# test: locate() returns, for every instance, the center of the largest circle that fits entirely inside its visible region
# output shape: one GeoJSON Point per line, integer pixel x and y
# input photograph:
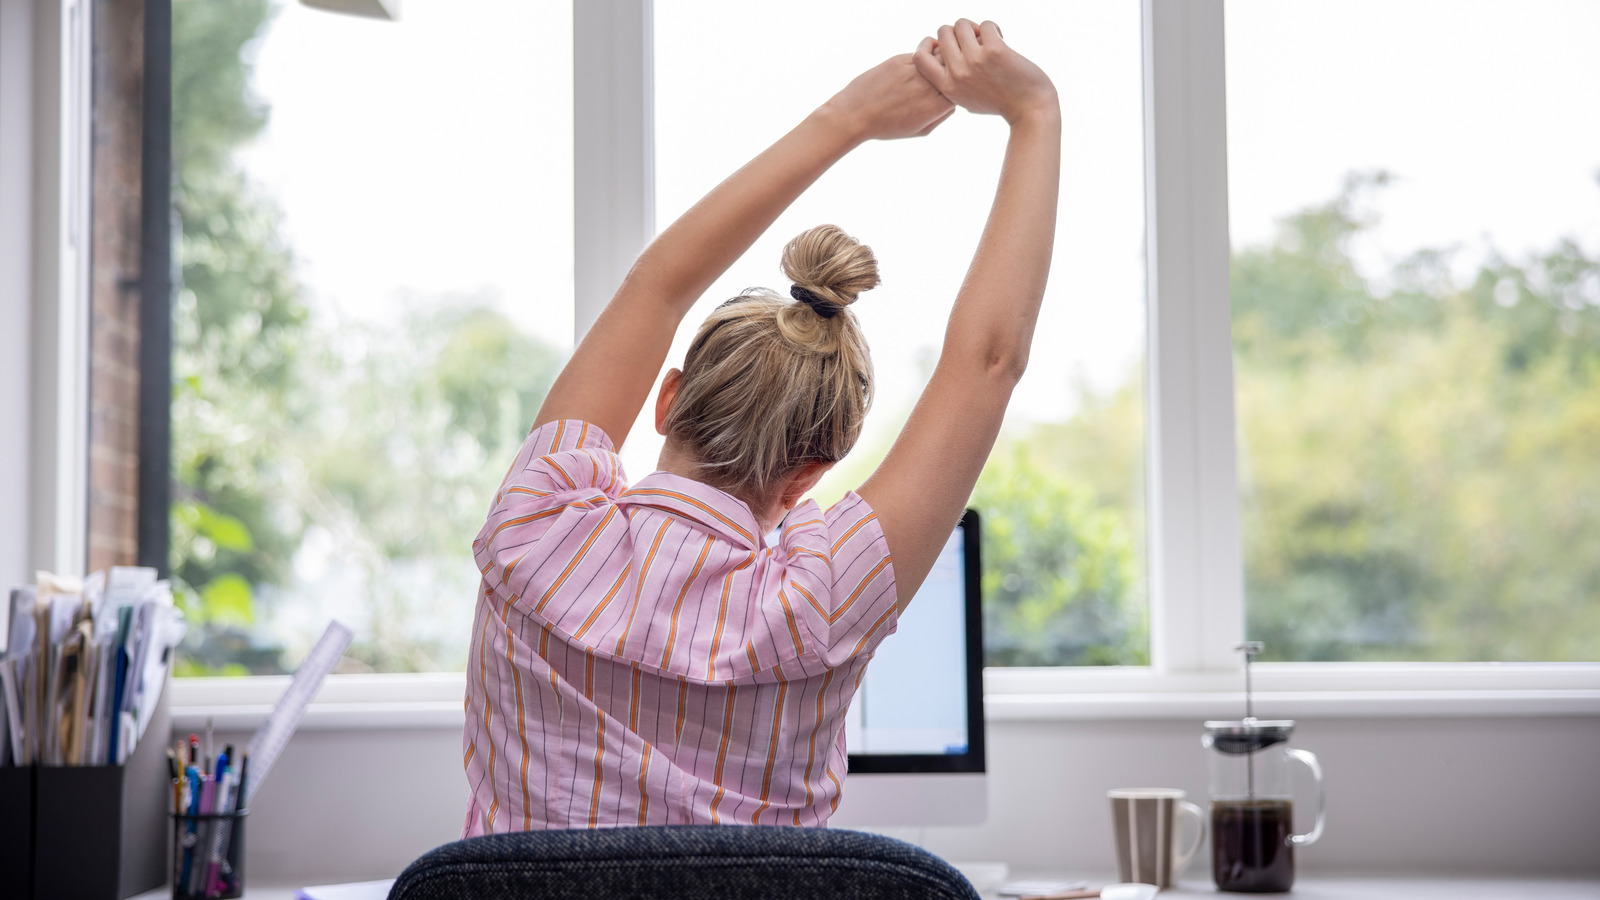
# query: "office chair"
{"type": "Point", "coordinates": [693, 862]}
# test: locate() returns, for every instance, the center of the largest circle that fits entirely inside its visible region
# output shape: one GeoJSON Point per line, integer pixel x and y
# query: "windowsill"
{"type": "Point", "coordinates": [1297, 690]}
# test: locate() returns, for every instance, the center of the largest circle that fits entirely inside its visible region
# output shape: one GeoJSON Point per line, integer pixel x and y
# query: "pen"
{"type": "Point", "coordinates": [221, 804]}
{"type": "Point", "coordinates": [177, 784]}
{"type": "Point", "coordinates": [244, 781]}
{"type": "Point", "coordinates": [200, 867]}
{"type": "Point", "coordinates": [225, 850]}
{"type": "Point", "coordinates": [194, 811]}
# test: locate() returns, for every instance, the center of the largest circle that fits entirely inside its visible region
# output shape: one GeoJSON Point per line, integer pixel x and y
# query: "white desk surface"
{"type": "Point", "coordinates": [1400, 888]}
{"type": "Point", "coordinates": [1306, 888]}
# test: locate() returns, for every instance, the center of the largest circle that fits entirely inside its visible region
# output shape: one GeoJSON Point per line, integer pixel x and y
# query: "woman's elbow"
{"type": "Point", "coordinates": [1005, 363]}
{"type": "Point", "coordinates": [978, 350]}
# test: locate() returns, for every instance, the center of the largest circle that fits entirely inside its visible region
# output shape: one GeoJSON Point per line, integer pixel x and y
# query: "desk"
{"type": "Point", "coordinates": [1399, 888]}
{"type": "Point", "coordinates": [1309, 888]}
{"type": "Point", "coordinates": [267, 890]}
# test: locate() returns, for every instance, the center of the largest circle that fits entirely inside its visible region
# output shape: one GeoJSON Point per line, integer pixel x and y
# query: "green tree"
{"type": "Point", "coordinates": [239, 325]}
{"type": "Point", "coordinates": [1417, 457]}
{"type": "Point", "coordinates": [316, 460]}
{"type": "Point", "coordinates": [400, 458]}
{"type": "Point", "coordinates": [1060, 585]}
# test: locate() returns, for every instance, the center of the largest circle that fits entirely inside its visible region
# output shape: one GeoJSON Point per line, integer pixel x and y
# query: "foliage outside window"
{"type": "Point", "coordinates": [330, 460]}
{"type": "Point", "coordinates": [1416, 423]}
{"type": "Point", "coordinates": [1417, 355]}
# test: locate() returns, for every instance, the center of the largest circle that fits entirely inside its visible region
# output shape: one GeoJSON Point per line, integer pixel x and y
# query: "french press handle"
{"type": "Point", "coordinates": [1310, 760]}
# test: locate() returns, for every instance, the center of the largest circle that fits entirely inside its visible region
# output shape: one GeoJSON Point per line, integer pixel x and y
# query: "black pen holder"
{"type": "Point", "coordinates": [16, 830]}
{"type": "Point", "coordinates": [208, 855]}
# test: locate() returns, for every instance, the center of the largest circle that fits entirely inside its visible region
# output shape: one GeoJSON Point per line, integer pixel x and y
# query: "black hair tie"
{"type": "Point", "coordinates": [818, 305]}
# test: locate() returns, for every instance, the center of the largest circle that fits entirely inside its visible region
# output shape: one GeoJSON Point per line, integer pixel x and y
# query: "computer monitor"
{"type": "Point", "coordinates": [915, 728]}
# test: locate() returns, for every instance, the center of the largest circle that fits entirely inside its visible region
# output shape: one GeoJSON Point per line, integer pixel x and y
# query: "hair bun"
{"type": "Point", "coordinates": [831, 266]}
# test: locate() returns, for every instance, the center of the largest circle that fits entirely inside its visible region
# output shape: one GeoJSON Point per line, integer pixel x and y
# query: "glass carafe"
{"type": "Point", "coordinates": [1252, 808]}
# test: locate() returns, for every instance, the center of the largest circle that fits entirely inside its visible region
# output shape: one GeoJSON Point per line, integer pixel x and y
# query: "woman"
{"type": "Point", "coordinates": [682, 650]}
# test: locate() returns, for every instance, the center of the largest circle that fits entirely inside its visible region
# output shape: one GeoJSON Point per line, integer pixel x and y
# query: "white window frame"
{"type": "Point", "coordinates": [45, 146]}
{"type": "Point", "coordinates": [1196, 574]}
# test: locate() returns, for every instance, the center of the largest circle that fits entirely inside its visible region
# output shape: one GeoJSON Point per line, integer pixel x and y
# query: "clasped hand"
{"type": "Point", "coordinates": [974, 68]}
{"type": "Point", "coordinates": [891, 100]}
{"type": "Point", "coordinates": [967, 65]}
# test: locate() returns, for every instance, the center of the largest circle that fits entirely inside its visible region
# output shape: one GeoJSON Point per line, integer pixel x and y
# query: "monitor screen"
{"type": "Point", "coordinates": [919, 708]}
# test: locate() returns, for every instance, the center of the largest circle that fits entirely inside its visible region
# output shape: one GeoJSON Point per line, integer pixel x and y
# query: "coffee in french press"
{"type": "Point", "coordinates": [1252, 811]}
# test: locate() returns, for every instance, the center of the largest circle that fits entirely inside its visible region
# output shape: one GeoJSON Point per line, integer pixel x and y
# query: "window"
{"type": "Point", "coordinates": [1415, 210]}
{"type": "Point", "coordinates": [1063, 496]}
{"type": "Point", "coordinates": [1121, 384]}
{"type": "Point", "coordinates": [376, 262]}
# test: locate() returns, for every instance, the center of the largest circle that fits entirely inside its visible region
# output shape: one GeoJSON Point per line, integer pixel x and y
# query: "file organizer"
{"type": "Point", "coordinates": [16, 831]}
{"type": "Point", "coordinates": [100, 832]}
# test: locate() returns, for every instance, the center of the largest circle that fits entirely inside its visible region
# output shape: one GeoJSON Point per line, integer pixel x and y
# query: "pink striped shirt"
{"type": "Point", "coordinates": [644, 655]}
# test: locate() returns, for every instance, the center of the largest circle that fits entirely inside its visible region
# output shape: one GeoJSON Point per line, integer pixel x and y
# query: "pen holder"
{"type": "Point", "coordinates": [208, 855]}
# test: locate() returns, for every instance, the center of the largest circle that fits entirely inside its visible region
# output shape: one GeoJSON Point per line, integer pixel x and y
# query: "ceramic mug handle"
{"type": "Point", "coordinates": [1309, 759]}
{"type": "Point", "coordinates": [1186, 809]}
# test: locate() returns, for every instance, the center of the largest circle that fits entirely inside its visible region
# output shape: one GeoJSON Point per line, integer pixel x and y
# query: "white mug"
{"type": "Point", "coordinates": [1143, 823]}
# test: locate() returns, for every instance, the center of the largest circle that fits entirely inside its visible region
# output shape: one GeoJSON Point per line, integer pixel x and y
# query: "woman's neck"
{"type": "Point", "coordinates": [678, 462]}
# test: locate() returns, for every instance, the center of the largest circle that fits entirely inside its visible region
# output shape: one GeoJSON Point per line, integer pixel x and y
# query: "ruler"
{"type": "Point", "coordinates": [273, 735]}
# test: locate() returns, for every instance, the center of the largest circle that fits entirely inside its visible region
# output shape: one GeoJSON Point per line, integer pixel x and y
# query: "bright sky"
{"type": "Point", "coordinates": [1488, 111]}
{"type": "Point", "coordinates": [432, 156]}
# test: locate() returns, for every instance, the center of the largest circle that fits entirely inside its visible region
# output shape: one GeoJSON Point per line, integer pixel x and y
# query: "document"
{"type": "Point", "coordinates": [83, 664]}
{"type": "Point", "coordinates": [11, 695]}
{"type": "Point", "coordinates": [164, 629]}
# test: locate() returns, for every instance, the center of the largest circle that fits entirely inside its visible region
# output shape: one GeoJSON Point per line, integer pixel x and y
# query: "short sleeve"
{"type": "Point", "coordinates": [565, 455]}
{"type": "Point", "coordinates": [565, 469]}
{"type": "Point", "coordinates": [842, 576]}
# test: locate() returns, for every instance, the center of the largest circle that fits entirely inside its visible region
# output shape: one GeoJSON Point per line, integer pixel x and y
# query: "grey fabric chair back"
{"type": "Point", "coordinates": [691, 862]}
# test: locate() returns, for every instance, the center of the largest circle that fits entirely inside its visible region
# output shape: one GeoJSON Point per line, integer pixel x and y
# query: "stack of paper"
{"type": "Point", "coordinates": [82, 665]}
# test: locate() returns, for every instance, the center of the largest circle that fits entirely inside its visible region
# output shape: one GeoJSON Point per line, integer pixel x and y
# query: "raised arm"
{"type": "Point", "coordinates": [608, 378]}
{"type": "Point", "coordinates": [924, 483]}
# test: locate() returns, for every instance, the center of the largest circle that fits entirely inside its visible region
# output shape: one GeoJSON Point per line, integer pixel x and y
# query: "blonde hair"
{"type": "Point", "coordinates": [770, 384]}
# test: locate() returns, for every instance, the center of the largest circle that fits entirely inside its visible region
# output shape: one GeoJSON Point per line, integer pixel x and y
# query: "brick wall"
{"type": "Point", "coordinates": [114, 297]}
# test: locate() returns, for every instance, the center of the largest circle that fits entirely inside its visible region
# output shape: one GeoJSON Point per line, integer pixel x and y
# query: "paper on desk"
{"type": "Point", "coordinates": [69, 696]}
{"type": "Point", "coordinates": [21, 621]}
{"type": "Point", "coordinates": [11, 701]}
{"type": "Point", "coordinates": [125, 586]}
{"type": "Point", "coordinates": [63, 608]}
{"type": "Point", "coordinates": [356, 890]}
{"type": "Point", "coordinates": [165, 628]}
{"type": "Point", "coordinates": [102, 711]}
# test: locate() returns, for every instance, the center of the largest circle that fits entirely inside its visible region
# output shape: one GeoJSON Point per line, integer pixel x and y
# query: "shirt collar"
{"type": "Point", "coordinates": [715, 510]}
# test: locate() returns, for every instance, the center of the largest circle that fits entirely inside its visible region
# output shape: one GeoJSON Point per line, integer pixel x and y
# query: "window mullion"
{"type": "Point", "coordinates": [48, 105]}
{"type": "Point", "coordinates": [614, 147]}
{"type": "Point", "coordinates": [1196, 604]}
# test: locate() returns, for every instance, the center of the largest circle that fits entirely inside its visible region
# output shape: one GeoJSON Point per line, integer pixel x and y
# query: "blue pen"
{"type": "Point", "coordinates": [194, 810]}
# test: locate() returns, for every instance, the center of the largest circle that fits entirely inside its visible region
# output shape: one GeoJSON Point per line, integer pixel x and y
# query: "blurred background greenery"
{"type": "Point", "coordinates": [1419, 453]}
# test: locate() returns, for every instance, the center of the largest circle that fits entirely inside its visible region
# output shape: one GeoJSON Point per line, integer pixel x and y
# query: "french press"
{"type": "Point", "coordinates": [1252, 807]}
